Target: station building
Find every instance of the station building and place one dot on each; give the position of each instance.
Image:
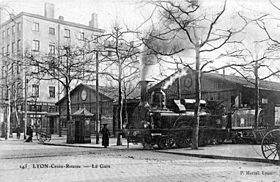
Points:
(232, 92)
(83, 97)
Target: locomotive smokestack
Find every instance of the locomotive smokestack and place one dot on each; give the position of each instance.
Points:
(144, 93)
(147, 64)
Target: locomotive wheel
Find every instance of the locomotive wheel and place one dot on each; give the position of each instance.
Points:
(271, 145)
(165, 142)
(183, 142)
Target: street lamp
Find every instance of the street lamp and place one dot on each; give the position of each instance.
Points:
(25, 100)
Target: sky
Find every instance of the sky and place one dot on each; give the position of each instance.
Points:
(131, 12)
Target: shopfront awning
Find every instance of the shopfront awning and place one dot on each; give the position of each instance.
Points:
(82, 112)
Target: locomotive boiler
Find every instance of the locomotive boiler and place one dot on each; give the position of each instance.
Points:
(169, 123)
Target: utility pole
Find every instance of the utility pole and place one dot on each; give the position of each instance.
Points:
(97, 98)
(25, 100)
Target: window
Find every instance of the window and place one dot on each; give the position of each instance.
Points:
(13, 47)
(35, 90)
(3, 35)
(3, 50)
(52, 91)
(18, 27)
(82, 53)
(264, 100)
(51, 49)
(35, 27)
(51, 31)
(18, 45)
(35, 108)
(110, 53)
(35, 45)
(8, 49)
(277, 116)
(52, 109)
(67, 33)
(13, 29)
(8, 32)
(82, 36)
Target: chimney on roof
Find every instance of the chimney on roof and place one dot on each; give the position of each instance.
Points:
(93, 22)
(61, 18)
(49, 10)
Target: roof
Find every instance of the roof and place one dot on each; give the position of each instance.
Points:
(53, 20)
(103, 91)
(264, 85)
(109, 92)
(113, 92)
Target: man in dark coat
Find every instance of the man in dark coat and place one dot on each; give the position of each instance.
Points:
(17, 130)
(105, 136)
(29, 132)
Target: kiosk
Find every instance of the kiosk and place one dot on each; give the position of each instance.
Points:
(79, 127)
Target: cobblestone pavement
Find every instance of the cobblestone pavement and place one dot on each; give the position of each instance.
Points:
(121, 165)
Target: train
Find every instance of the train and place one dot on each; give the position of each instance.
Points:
(169, 123)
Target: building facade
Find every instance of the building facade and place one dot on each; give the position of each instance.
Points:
(232, 92)
(84, 97)
(22, 96)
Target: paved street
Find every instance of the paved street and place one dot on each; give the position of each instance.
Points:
(35, 162)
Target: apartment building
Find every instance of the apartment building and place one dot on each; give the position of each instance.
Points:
(28, 33)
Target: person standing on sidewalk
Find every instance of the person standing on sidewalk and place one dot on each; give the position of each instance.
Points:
(29, 132)
(18, 132)
(105, 135)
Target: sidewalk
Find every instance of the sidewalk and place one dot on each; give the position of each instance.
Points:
(61, 141)
(238, 152)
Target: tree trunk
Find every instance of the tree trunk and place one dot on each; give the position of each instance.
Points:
(125, 109)
(257, 97)
(68, 103)
(8, 116)
(195, 135)
(15, 104)
(120, 105)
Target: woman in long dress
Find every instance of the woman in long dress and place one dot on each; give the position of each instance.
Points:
(105, 135)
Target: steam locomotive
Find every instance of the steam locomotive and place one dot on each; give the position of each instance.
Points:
(169, 123)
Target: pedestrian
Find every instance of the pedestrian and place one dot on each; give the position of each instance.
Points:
(105, 135)
(18, 132)
(29, 132)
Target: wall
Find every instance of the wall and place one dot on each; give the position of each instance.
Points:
(106, 107)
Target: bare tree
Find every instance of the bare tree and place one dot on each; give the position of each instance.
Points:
(192, 28)
(10, 85)
(70, 64)
(121, 64)
(12, 88)
(256, 66)
(258, 57)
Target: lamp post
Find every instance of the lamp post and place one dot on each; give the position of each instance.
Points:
(97, 99)
(25, 100)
